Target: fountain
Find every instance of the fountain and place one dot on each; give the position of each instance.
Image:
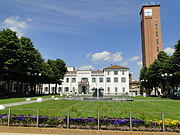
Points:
(98, 96)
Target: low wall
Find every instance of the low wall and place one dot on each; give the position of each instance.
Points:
(76, 131)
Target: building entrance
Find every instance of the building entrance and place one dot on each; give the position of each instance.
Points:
(83, 88)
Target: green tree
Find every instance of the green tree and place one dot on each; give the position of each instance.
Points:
(175, 65)
(59, 69)
(9, 56)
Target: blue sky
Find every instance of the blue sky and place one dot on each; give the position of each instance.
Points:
(88, 33)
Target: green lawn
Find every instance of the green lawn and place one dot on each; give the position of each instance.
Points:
(141, 109)
(11, 100)
(149, 98)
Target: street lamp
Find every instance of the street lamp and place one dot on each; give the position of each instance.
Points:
(145, 82)
(166, 75)
(37, 81)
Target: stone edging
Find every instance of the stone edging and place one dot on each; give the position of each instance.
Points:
(61, 131)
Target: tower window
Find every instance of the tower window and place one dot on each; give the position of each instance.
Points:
(157, 33)
(157, 41)
(156, 26)
(157, 49)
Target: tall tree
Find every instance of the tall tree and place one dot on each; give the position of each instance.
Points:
(9, 55)
(59, 69)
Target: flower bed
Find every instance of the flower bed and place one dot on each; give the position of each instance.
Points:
(90, 123)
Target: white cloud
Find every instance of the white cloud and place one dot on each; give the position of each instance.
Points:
(29, 19)
(134, 58)
(86, 67)
(107, 56)
(139, 63)
(124, 63)
(88, 55)
(15, 24)
(169, 50)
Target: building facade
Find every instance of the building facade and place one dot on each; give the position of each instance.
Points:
(113, 80)
(150, 33)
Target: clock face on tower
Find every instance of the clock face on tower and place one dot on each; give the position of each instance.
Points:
(147, 12)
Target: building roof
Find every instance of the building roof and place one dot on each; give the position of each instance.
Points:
(97, 72)
(116, 67)
(135, 82)
(148, 6)
(72, 72)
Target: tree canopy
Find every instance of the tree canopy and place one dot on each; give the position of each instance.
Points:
(163, 64)
(21, 63)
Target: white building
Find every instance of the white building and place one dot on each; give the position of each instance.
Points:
(114, 80)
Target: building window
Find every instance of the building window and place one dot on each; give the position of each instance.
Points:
(115, 79)
(73, 79)
(108, 79)
(116, 89)
(157, 41)
(123, 89)
(84, 80)
(100, 80)
(115, 72)
(52, 89)
(67, 80)
(156, 26)
(108, 89)
(122, 72)
(156, 33)
(157, 49)
(59, 89)
(93, 79)
(66, 89)
(73, 89)
(123, 79)
(45, 89)
(107, 72)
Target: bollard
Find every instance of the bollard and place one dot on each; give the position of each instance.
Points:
(68, 119)
(98, 119)
(37, 122)
(130, 120)
(163, 126)
(9, 116)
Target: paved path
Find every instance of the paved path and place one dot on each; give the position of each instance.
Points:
(22, 103)
(23, 134)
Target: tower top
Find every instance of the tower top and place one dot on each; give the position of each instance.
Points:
(151, 5)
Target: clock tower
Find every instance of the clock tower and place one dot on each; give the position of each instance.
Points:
(150, 33)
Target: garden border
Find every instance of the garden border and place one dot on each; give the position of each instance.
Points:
(76, 131)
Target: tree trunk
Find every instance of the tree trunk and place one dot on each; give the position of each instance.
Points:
(7, 90)
(49, 89)
(56, 88)
(155, 88)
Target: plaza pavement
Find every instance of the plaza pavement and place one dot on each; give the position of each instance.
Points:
(24, 102)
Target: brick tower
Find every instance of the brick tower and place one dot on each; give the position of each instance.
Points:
(150, 33)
